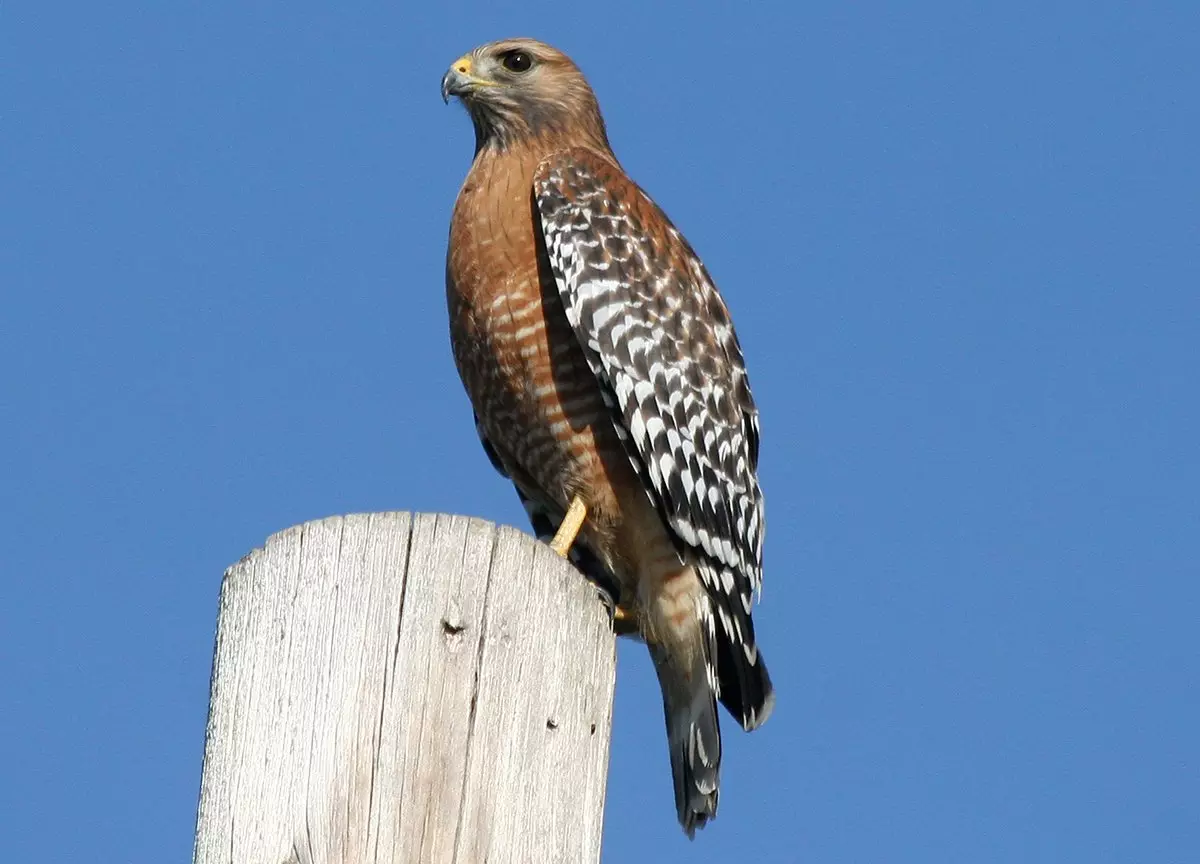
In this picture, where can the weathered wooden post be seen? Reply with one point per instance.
(406, 690)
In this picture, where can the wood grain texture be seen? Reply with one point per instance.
(406, 690)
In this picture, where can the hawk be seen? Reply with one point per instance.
(608, 384)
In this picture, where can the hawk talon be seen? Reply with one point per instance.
(624, 622)
(622, 619)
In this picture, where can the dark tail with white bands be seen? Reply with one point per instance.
(693, 735)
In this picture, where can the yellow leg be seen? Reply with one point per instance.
(624, 621)
(569, 529)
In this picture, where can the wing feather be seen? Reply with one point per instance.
(658, 337)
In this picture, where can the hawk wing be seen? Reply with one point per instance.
(658, 338)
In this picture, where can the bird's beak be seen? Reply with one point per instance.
(460, 79)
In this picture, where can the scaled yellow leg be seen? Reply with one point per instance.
(569, 529)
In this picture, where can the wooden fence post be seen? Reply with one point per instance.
(406, 690)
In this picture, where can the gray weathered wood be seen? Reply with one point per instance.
(406, 690)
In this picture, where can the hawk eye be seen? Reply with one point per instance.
(517, 61)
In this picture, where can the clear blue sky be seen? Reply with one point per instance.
(961, 244)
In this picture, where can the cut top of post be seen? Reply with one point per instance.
(400, 688)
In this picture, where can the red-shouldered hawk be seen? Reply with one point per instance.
(609, 385)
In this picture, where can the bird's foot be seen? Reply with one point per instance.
(623, 620)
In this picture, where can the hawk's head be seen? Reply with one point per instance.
(517, 88)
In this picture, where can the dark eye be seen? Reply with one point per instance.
(517, 61)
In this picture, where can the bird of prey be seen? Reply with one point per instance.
(608, 384)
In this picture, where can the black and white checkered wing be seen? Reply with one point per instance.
(658, 337)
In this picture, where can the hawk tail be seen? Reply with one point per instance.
(693, 735)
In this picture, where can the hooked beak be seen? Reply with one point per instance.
(460, 79)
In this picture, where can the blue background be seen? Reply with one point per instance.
(960, 242)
